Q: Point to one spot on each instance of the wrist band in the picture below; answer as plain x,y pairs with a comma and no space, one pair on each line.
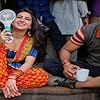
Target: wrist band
66,63
86,16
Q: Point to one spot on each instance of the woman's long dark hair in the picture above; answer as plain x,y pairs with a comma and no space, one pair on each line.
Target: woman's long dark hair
37,34
1,26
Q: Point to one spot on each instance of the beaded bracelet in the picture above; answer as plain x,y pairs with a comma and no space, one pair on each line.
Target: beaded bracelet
12,77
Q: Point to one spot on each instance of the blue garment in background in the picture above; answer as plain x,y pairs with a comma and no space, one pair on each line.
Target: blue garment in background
39,7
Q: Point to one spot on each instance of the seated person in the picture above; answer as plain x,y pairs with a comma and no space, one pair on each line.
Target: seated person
89,37
18,57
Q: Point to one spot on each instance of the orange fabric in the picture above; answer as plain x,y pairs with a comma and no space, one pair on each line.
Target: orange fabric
33,78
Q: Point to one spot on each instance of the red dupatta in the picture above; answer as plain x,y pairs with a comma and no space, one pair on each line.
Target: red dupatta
24,49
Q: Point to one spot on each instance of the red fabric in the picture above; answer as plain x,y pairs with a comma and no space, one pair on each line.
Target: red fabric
98,33
21,47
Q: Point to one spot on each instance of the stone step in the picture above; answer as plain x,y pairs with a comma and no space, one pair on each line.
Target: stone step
54,93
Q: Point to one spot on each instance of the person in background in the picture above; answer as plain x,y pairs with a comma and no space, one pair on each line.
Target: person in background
8,4
94,8
70,15
89,37
18,57
41,9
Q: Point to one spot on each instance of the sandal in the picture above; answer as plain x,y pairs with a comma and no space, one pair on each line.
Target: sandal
59,81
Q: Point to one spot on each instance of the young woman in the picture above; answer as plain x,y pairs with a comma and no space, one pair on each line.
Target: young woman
17,57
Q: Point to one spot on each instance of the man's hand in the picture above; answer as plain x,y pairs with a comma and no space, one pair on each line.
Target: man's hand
70,70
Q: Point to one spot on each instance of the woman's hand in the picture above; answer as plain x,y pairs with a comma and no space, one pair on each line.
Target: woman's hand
6,92
4,37
70,70
11,85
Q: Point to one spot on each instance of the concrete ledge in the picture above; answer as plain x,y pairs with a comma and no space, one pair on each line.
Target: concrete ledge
54,93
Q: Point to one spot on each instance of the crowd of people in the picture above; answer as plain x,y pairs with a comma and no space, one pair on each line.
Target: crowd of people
73,25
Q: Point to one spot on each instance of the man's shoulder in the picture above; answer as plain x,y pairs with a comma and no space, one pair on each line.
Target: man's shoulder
93,25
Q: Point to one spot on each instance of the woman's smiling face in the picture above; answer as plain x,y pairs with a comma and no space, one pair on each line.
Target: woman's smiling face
23,21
